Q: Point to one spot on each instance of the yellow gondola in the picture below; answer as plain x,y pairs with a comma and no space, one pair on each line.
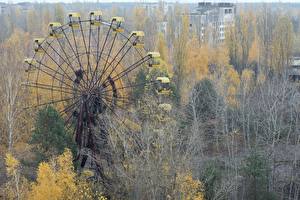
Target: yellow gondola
163,85
74,20
38,45
55,30
30,64
95,17
139,39
116,24
154,59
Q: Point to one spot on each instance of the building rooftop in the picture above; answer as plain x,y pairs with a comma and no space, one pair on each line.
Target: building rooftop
207,6
211,4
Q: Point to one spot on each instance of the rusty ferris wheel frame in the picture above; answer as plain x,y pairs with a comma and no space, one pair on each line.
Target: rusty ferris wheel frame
85,69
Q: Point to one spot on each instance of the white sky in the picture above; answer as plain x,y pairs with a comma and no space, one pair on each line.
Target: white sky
182,1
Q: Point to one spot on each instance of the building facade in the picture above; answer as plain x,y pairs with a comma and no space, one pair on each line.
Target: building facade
2,8
210,20
294,69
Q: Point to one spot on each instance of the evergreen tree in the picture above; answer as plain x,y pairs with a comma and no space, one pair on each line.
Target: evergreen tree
203,101
211,177
256,171
50,135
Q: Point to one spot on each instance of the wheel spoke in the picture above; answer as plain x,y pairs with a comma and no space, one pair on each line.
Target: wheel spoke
129,69
99,58
123,56
50,88
87,70
75,53
49,74
50,102
130,86
71,106
58,65
85,47
66,56
107,57
118,119
89,49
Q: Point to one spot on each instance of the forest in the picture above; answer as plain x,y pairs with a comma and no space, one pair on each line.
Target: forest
196,117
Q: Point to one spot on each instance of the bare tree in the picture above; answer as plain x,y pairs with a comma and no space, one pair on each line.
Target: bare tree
11,67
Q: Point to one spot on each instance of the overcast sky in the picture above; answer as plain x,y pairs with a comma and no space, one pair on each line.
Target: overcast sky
182,1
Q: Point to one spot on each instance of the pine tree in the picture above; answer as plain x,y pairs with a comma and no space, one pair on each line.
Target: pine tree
50,136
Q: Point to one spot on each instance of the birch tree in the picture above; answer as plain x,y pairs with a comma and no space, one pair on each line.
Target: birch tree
12,75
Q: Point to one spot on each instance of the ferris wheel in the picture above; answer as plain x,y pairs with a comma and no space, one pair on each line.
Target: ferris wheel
85,69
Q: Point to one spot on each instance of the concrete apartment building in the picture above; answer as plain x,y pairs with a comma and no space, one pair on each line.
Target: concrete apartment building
294,69
165,7
2,8
210,20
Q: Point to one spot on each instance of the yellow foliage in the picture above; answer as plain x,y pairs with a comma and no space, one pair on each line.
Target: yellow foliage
84,190
239,40
227,84
189,188
57,180
197,60
247,79
219,56
247,75
231,91
254,51
162,47
196,66
46,187
282,44
232,43
164,54
66,172
16,186
12,164
232,81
